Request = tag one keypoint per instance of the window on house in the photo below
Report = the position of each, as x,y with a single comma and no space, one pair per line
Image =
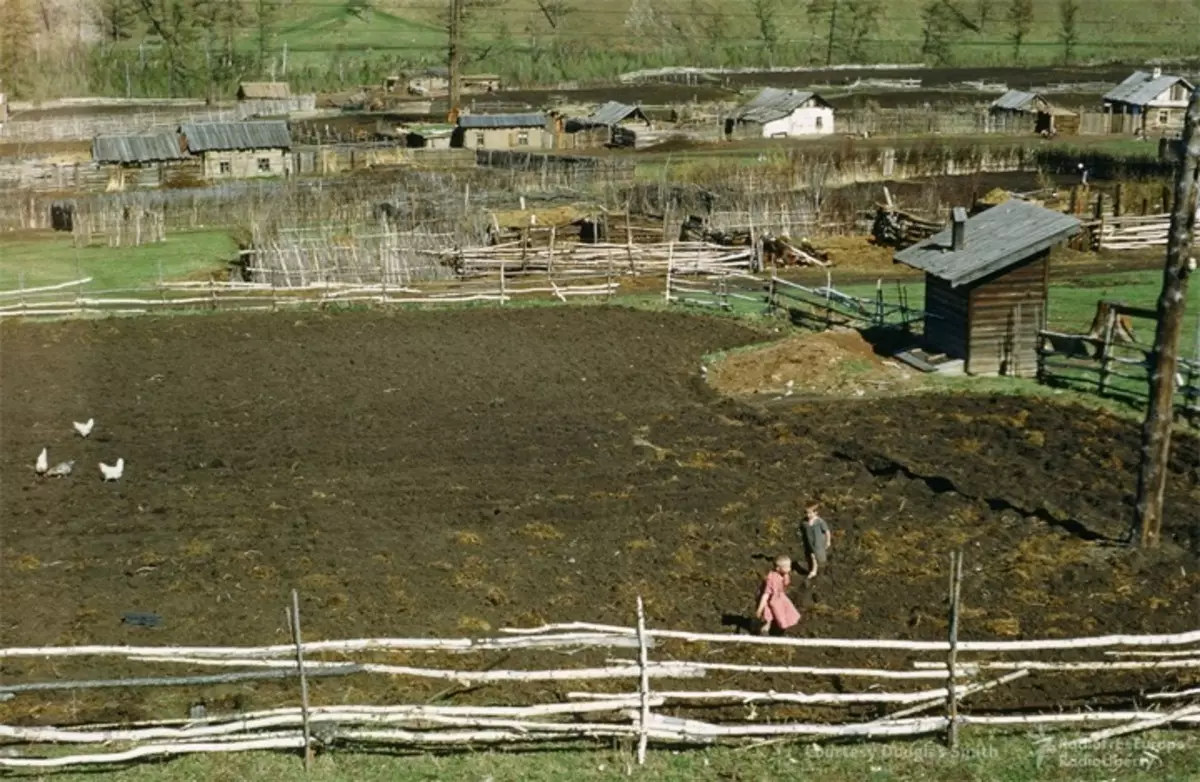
480,139
522,138
225,167
820,123
264,164
1164,117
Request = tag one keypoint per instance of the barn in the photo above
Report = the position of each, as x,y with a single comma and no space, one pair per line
776,113
617,124
240,150
987,283
1016,108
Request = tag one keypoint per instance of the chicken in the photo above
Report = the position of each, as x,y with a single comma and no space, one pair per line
112,472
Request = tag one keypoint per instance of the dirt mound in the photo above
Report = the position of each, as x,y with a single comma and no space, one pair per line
834,361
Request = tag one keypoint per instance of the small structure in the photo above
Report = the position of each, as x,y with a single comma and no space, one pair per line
240,150
429,136
123,155
986,285
1043,116
264,90
1157,101
503,131
436,81
776,113
613,124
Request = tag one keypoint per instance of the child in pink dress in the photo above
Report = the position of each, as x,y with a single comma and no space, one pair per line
774,606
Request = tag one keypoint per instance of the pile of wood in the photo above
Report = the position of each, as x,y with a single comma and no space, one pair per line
899,229
775,250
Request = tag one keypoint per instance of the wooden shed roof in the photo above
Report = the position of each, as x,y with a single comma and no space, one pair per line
996,239
211,136
264,90
144,148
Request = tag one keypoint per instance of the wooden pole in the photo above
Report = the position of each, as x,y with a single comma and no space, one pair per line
952,657
643,684
502,294
455,57
303,679
1172,303
1110,323
667,294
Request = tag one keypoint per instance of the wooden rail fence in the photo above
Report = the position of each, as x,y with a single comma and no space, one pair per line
895,703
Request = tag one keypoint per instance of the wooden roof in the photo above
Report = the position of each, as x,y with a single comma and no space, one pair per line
996,239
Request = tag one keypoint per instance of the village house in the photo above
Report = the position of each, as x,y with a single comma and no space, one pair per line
1016,108
503,131
240,150
271,99
610,124
1156,102
776,113
987,283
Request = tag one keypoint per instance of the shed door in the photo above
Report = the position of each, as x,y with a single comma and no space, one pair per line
1019,354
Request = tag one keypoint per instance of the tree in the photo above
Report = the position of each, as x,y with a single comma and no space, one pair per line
937,26
265,14
861,18
825,13
117,19
17,64
1068,27
1019,17
555,11
175,23
766,14
983,10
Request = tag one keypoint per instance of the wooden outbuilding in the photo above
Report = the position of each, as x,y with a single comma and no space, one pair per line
1016,108
987,283
240,150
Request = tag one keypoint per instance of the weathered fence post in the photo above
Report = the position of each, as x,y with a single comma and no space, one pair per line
1106,357
828,299
502,294
643,683
303,679
952,659
670,264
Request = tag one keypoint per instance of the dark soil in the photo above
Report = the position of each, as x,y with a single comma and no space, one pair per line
450,473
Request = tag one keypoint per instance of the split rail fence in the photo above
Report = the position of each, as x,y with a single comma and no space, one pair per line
818,307
1114,368
909,697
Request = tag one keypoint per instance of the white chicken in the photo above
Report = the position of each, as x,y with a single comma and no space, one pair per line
86,428
61,469
43,462
112,472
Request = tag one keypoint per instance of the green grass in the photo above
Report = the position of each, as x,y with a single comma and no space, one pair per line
996,759
313,39
53,258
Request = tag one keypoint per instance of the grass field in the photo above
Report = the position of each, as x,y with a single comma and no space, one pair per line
46,260
1148,757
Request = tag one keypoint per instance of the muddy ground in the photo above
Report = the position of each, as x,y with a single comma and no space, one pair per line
450,473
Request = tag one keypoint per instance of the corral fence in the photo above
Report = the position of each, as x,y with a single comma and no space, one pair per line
912,688
84,127
1113,364
821,307
72,299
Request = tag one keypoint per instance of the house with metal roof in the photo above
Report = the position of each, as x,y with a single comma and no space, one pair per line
776,113
240,150
987,284
503,131
1019,108
139,150
610,124
1155,99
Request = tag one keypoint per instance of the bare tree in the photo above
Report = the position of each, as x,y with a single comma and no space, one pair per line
825,13
1020,21
1068,28
983,11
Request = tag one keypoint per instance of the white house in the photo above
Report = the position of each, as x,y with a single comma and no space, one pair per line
1158,100
776,113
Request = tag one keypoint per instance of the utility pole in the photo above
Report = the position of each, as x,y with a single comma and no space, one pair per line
1156,432
455,57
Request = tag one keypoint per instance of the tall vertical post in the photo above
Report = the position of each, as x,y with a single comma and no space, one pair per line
303,679
455,57
1172,303
952,659
643,684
